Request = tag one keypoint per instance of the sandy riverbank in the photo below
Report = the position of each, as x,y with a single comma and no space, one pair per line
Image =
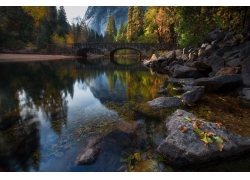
31,57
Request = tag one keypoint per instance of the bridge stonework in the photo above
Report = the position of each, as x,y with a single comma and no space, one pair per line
109,49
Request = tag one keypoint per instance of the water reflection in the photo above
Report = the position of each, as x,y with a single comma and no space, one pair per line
48,109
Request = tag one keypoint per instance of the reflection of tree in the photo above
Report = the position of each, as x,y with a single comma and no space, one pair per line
26,88
111,77
18,144
49,83
55,109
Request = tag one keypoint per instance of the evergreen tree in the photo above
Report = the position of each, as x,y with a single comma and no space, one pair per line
16,27
121,34
137,19
111,31
130,24
52,17
62,22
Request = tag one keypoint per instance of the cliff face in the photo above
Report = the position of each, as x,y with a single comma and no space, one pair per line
96,16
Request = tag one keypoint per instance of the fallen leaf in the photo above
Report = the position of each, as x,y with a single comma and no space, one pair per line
203,136
219,142
199,132
183,129
179,113
187,118
193,119
195,125
209,140
202,120
204,139
219,146
219,124
210,134
224,138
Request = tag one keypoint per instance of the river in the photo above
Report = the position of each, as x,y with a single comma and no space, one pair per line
51,110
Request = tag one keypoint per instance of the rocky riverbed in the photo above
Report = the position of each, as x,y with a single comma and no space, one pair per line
220,64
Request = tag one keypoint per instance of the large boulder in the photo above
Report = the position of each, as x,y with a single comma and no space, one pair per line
246,71
216,62
216,34
169,57
164,102
186,72
244,53
201,66
191,140
154,57
234,62
192,94
227,70
219,83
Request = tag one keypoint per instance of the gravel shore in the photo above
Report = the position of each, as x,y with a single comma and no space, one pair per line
31,57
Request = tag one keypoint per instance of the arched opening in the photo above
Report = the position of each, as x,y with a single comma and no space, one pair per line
88,52
125,52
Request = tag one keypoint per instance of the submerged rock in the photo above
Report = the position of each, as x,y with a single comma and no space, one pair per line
186,147
90,153
150,165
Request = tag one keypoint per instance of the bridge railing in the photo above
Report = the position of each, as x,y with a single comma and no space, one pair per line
120,45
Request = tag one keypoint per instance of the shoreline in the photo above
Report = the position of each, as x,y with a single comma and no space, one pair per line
6,57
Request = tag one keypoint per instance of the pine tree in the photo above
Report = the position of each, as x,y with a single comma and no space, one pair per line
121,34
111,31
62,22
130,23
137,19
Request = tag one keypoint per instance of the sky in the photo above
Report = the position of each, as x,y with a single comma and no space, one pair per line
74,11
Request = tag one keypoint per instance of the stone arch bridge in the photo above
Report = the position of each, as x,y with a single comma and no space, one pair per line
109,49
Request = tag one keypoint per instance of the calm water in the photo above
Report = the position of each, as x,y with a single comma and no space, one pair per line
50,110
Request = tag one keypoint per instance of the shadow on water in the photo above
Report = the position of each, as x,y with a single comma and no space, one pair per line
50,110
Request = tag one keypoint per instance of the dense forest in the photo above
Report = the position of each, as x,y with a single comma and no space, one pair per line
36,27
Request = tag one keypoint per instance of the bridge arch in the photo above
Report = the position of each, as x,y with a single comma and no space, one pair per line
112,52
83,52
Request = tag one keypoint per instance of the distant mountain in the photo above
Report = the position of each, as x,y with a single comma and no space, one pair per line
96,16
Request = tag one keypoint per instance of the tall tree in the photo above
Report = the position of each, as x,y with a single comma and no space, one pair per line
121,34
62,22
130,24
158,24
111,31
52,17
37,13
137,22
